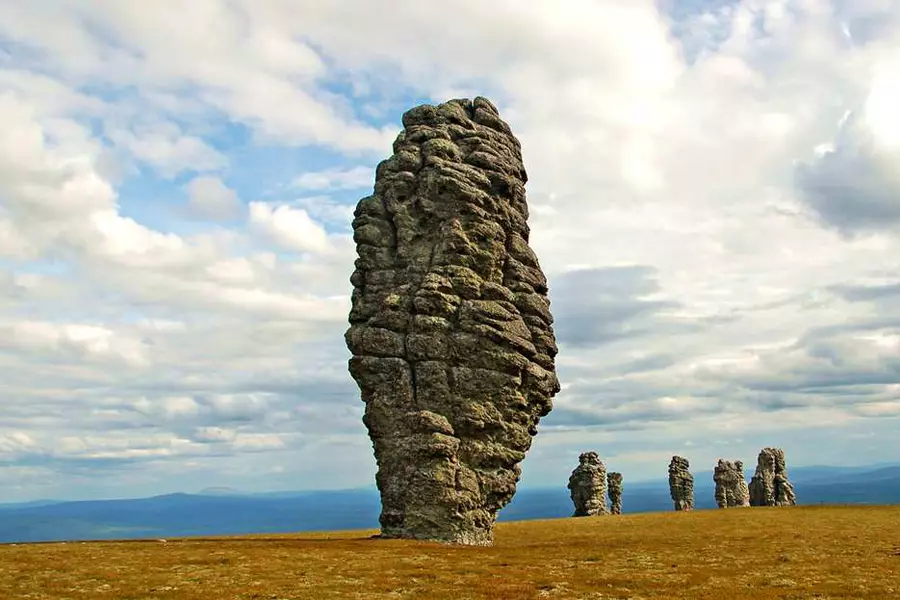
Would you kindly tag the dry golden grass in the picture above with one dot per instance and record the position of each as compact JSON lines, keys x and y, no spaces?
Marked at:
{"x":759,"y":553}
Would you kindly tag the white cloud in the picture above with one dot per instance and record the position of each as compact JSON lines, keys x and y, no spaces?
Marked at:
{"x":880,"y":113}
{"x":214,"y":434}
{"x":259,"y":442}
{"x":73,"y":340}
{"x":209,"y":197}
{"x":715,"y":211}
{"x":261,"y":76}
{"x":290,"y":228}
{"x":165,"y":148}
{"x":337,"y":179}
{"x":853,"y":185}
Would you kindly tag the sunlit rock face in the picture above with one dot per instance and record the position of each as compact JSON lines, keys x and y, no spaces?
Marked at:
{"x":731,"y":487}
{"x":681,"y":483}
{"x":450,"y":327}
{"x":614,"y":489}
{"x":587,"y":486}
{"x":770,"y":485}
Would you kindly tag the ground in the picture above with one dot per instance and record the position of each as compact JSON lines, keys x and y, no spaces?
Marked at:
{"x":759,"y":553}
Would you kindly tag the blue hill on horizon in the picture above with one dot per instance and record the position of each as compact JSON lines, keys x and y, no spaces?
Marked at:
{"x":224,"y":511}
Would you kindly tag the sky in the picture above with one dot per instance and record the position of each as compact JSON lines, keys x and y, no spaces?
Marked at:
{"x":714,"y":197}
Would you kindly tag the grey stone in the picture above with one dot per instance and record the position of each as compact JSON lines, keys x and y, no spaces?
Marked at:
{"x":769,"y":485}
{"x":587,"y":486}
{"x":450,"y":326}
{"x":614,"y":489}
{"x":681,"y":483}
{"x":731,"y":487}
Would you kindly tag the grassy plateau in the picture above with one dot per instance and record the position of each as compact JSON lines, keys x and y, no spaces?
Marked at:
{"x":759,"y":553}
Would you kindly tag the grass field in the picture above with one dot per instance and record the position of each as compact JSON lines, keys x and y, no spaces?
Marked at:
{"x":758,"y":553}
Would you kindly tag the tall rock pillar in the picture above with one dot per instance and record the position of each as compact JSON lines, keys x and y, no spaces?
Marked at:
{"x":450,"y":326}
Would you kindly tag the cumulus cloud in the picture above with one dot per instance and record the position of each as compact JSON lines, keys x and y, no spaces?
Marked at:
{"x":165,"y":148}
{"x":210,"y":198}
{"x":291,"y":228}
{"x":854,"y":185}
{"x":720,"y":237}
{"x":337,"y":179}
{"x":595,"y":306}
{"x":867,"y":292}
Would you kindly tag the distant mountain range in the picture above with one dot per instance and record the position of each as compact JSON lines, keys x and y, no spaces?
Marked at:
{"x":224,"y":511}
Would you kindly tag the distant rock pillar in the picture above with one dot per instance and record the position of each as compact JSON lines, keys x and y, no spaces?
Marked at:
{"x":770,"y":485}
{"x":587,"y":486}
{"x":731,"y":487}
{"x":614,"y":489}
{"x":681,"y":484}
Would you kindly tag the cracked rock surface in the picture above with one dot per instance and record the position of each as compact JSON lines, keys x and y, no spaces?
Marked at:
{"x":450,"y":326}
{"x":731,"y":487}
{"x":587,"y":486}
{"x":614,"y":489}
{"x":769,"y":485}
{"x":681,"y":483}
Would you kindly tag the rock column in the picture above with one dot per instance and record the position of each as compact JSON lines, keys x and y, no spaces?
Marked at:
{"x":614,"y":489}
{"x":587,"y":486}
{"x":731,"y":487}
{"x":770,"y":485}
{"x":450,"y":327}
{"x":681,"y":484}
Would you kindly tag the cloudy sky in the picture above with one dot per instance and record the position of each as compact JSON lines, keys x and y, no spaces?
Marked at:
{"x":714,"y":190}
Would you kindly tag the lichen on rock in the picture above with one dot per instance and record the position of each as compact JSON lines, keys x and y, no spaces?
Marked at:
{"x":731,"y":487}
{"x":770,"y":485}
{"x":587,"y":486}
{"x":681,"y":483}
{"x":614,"y":489}
{"x":450,"y":326}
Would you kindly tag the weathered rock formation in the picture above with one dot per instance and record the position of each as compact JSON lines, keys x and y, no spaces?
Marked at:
{"x":769,"y":485}
{"x":450,"y":326}
{"x":587,"y":486}
{"x":614,"y":489}
{"x":731,"y":487}
{"x":681,"y":483}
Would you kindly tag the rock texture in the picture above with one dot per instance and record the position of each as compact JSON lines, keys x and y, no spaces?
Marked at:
{"x":587,"y":486}
{"x":769,"y":485}
{"x":450,"y":326}
{"x":614,"y":489}
{"x":681,"y":483}
{"x":731,"y":487}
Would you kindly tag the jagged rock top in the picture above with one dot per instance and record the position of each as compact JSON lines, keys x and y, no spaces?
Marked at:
{"x":450,"y":325}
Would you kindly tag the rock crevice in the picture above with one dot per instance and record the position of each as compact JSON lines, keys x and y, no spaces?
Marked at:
{"x":450,"y":326}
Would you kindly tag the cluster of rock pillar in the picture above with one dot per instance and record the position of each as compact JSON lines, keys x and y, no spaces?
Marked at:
{"x":768,"y":487}
{"x":589,"y":485}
